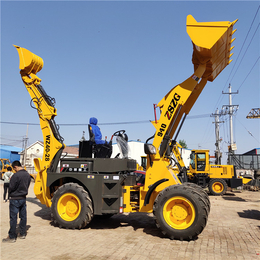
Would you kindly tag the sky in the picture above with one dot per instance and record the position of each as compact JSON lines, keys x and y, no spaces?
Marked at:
{"x":114,"y":59}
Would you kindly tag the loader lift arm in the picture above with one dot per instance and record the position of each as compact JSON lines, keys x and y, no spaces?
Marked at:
{"x":209,"y":59}
{"x":30,"y":64}
{"x":211,"y":54}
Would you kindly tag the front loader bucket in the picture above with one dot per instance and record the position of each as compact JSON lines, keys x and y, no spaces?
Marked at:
{"x":29,"y":62}
{"x":211,"y":45}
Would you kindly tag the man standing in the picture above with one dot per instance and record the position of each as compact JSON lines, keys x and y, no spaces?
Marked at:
{"x":7,"y":176}
{"x":18,"y":189}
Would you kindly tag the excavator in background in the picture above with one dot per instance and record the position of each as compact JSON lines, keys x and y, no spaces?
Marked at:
{"x":87,"y":186}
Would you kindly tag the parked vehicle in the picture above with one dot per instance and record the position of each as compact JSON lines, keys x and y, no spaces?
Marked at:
{"x":88,"y":186}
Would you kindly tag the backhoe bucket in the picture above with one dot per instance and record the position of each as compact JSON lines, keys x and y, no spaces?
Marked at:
{"x":29,"y":62}
{"x":211,"y":45}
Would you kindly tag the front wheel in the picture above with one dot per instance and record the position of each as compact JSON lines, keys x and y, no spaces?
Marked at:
{"x":217,"y":187}
{"x":201,"y":191}
{"x":180,"y":212}
{"x":71,"y":206}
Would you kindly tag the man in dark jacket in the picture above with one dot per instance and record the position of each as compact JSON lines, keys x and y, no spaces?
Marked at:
{"x":18,"y":189}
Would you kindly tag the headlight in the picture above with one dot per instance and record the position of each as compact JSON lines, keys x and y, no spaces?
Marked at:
{"x":149,"y":149}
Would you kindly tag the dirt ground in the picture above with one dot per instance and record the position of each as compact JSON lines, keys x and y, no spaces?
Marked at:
{"x":232,"y":232}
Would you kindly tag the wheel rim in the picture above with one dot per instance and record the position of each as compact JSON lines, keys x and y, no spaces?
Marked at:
{"x":217,"y":187}
{"x":69,"y":207}
{"x":179,"y":213}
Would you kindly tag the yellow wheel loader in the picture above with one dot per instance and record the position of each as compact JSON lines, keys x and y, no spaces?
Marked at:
{"x":217,"y":178}
{"x":87,"y":186}
{"x":4,"y":164}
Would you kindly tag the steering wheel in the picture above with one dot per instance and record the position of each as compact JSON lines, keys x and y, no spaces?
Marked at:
{"x":120,"y":132}
{"x":117,"y":133}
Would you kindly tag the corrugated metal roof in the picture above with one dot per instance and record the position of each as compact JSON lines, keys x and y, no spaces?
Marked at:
{"x":10,"y":148}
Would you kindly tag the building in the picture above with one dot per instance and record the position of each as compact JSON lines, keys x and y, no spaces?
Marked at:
{"x":36,"y":151}
{"x":10,"y":152}
{"x":253,"y":152}
{"x":30,"y":153}
{"x":136,"y":152}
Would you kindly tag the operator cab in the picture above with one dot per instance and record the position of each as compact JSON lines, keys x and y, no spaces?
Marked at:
{"x":198,"y":161}
{"x":90,"y":148}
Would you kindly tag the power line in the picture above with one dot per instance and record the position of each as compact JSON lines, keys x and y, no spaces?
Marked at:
{"x":244,"y":44}
{"x":198,"y":116}
{"x":245,"y":52}
{"x":8,"y":139}
{"x":111,"y":123}
{"x":16,"y":123}
{"x":249,"y":132}
{"x":76,"y":124}
{"x":221,"y":96}
{"x":248,"y":73}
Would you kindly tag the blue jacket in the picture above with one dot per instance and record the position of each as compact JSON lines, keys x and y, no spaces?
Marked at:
{"x":96,"y":130}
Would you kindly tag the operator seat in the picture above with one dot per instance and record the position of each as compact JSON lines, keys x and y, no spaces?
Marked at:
{"x":99,"y":150}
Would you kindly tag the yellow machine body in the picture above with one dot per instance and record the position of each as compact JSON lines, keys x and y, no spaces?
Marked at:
{"x":181,"y":210}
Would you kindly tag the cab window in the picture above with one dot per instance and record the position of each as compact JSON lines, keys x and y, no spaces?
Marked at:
{"x":192,"y":160}
{"x":201,"y":161}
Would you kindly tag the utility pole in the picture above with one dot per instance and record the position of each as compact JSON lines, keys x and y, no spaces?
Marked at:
{"x":230,"y":110}
{"x":25,"y":139}
{"x":218,"y":154}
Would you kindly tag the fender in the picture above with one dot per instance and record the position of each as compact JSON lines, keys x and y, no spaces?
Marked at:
{"x":151,"y":189}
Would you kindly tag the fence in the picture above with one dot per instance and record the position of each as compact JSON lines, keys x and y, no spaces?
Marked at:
{"x":246,"y":161}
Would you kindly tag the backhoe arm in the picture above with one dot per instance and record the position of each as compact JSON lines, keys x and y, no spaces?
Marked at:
{"x":30,"y":65}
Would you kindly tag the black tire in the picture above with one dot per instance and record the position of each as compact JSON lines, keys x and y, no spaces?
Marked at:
{"x":202,"y":191}
{"x":71,"y":206}
{"x":180,"y":212}
{"x":217,"y":187}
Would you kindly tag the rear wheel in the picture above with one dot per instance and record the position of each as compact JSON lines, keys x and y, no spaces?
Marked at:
{"x":217,"y":187}
{"x":180,"y":212}
{"x":71,"y":206}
